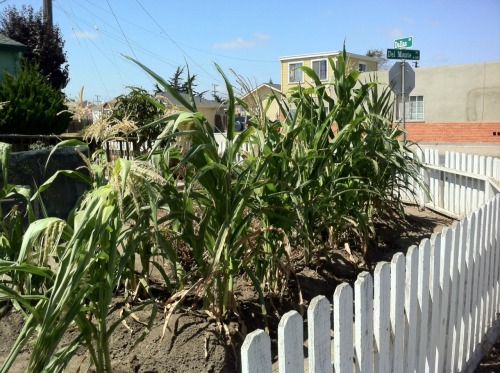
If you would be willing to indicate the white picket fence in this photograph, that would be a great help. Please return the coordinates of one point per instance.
(427, 312)
(221, 142)
(459, 186)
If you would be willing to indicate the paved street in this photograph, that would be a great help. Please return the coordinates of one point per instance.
(488, 150)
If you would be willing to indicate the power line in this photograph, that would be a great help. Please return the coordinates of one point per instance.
(120, 27)
(92, 57)
(173, 41)
(134, 46)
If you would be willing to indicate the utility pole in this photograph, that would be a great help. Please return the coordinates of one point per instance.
(47, 11)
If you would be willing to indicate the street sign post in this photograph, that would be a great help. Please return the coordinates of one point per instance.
(403, 43)
(396, 78)
(401, 75)
(403, 54)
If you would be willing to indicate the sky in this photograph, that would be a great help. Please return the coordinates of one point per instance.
(247, 39)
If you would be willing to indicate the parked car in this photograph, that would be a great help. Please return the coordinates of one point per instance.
(241, 122)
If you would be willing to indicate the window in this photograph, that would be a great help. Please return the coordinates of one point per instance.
(361, 66)
(416, 108)
(319, 67)
(295, 75)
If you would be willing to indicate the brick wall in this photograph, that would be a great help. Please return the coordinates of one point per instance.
(488, 132)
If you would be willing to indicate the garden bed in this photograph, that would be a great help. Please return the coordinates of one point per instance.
(195, 342)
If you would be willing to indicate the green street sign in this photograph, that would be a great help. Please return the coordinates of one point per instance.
(403, 54)
(403, 42)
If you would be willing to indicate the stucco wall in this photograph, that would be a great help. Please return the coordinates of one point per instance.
(457, 93)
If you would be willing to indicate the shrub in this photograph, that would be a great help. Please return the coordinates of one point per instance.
(32, 106)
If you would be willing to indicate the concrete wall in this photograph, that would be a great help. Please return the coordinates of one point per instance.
(455, 98)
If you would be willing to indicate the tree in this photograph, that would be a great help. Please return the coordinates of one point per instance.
(217, 98)
(44, 42)
(383, 62)
(32, 105)
(177, 82)
(181, 85)
(138, 106)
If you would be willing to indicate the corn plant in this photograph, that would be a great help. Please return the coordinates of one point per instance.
(214, 211)
(338, 160)
(92, 250)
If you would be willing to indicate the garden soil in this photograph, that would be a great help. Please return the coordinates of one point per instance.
(193, 341)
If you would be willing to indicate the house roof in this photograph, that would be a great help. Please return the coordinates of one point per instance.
(7, 44)
(199, 101)
(274, 87)
(326, 54)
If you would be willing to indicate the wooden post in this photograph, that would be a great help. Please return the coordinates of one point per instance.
(47, 11)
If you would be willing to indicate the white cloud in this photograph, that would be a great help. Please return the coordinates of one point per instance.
(394, 33)
(84, 34)
(407, 20)
(258, 39)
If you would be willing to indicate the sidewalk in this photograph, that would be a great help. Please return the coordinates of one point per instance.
(488, 150)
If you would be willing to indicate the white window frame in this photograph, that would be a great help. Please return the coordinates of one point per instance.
(412, 115)
(326, 68)
(416, 115)
(365, 67)
(300, 71)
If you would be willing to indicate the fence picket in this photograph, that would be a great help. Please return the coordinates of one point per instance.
(318, 327)
(444, 279)
(482, 264)
(398, 263)
(477, 183)
(363, 322)
(456, 182)
(381, 317)
(435, 301)
(491, 262)
(447, 184)
(486, 268)
(462, 163)
(496, 243)
(464, 351)
(469, 185)
(290, 343)
(342, 329)
(453, 286)
(475, 280)
(256, 353)
(423, 301)
(411, 287)
(488, 274)
(461, 246)
(482, 190)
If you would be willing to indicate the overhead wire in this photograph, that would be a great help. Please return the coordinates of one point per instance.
(134, 47)
(176, 44)
(91, 55)
(125, 36)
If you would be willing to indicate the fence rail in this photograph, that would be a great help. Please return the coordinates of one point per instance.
(463, 183)
(427, 312)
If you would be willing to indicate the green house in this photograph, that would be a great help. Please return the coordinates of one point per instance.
(10, 54)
